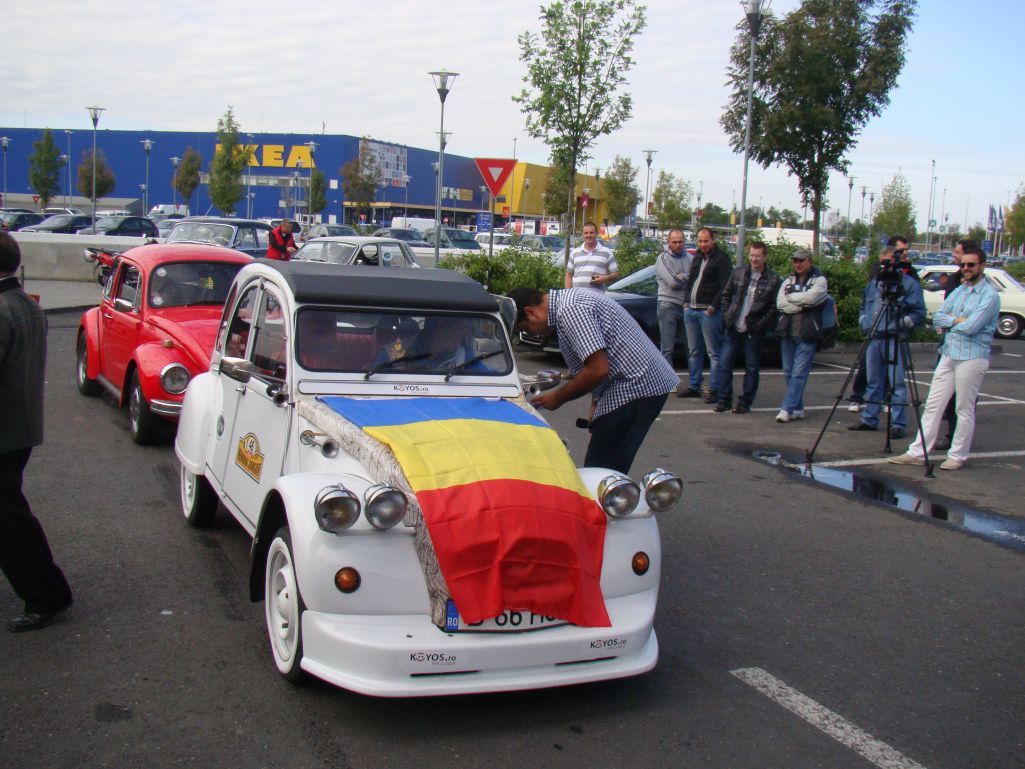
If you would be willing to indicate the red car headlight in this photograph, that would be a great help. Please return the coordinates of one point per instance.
(175, 378)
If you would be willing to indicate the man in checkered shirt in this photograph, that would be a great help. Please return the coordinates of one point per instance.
(611, 358)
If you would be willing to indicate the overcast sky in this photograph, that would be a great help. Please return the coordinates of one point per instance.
(359, 69)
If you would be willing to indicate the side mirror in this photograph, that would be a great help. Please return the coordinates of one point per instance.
(239, 369)
(123, 305)
(546, 380)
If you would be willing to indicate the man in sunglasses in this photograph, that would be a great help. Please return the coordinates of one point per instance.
(969, 318)
(950, 415)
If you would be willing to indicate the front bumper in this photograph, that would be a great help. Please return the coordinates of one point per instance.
(408, 656)
(166, 408)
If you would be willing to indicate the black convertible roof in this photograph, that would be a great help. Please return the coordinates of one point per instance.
(363, 285)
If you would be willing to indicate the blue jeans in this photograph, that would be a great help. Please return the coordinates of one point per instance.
(798, 355)
(734, 341)
(879, 371)
(704, 334)
(670, 318)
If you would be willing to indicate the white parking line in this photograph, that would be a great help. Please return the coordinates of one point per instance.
(840, 729)
(842, 408)
(881, 460)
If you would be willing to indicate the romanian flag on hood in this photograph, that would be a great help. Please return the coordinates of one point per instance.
(513, 525)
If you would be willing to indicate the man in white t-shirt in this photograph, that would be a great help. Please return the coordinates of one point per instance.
(591, 265)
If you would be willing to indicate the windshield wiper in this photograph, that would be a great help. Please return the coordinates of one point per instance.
(386, 364)
(466, 364)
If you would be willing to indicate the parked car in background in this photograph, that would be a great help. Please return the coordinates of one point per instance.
(123, 226)
(365, 505)
(15, 220)
(327, 230)
(154, 329)
(246, 235)
(453, 237)
(164, 226)
(360, 249)
(55, 211)
(65, 224)
(1012, 295)
(502, 240)
(555, 244)
(407, 235)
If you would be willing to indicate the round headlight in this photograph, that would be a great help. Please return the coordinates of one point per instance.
(386, 506)
(175, 378)
(336, 509)
(662, 489)
(618, 495)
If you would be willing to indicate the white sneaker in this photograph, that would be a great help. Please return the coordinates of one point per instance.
(855, 407)
(783, 416)
(797, 414)
(952, 464)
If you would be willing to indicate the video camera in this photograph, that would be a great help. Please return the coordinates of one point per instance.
(890, 278)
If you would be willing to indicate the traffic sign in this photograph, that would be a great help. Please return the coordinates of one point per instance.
(496, 172)
(585, 200)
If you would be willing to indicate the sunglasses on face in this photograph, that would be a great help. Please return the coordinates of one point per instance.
(969, 264)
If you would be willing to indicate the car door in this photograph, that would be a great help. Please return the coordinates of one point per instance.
(253, 450)
(120, 322)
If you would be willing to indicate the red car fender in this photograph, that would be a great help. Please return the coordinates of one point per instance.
(89, 325)
(149, 359)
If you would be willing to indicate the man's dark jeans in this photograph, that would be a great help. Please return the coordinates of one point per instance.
(733, 342)
(617, 436)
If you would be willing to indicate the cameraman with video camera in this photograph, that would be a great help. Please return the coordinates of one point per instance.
(891, 306)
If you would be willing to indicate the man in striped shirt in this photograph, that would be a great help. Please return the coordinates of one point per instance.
(591, 265)
(611, 358)
(969, 316)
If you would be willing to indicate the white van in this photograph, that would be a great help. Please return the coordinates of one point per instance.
(800, 238)
(164, 210)
(417, 223)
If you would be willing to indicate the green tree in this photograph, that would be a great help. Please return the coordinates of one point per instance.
(318, 191)
(231, 159)
(670, 201)
(977, 233)
(187, 179)
(360, 177)
(820, 74)
(105, 179)
(621, 191)
(1015, 220)
(557, 201)
(895, 212)
(44, 165)
(713, 214)
(576, 73)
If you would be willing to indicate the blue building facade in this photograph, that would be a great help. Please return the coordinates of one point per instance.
(276, 182)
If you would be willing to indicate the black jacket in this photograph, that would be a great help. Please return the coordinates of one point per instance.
(763, 313)
(713, 282)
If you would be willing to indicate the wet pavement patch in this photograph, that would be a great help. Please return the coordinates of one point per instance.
(1004, 530)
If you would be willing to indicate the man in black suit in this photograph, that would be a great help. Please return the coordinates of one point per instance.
(24, 552)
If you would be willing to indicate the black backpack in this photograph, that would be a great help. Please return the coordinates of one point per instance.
(829, 327)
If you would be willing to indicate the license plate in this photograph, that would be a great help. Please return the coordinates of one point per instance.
(509, 621)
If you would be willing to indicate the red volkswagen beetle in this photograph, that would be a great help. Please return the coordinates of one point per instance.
(154, 329)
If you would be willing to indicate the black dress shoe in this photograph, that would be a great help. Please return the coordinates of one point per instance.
(898, 432)
(34, 620)
(861, 426)
(711, 398)
(688, 393)
(741, 409)
(720, 407)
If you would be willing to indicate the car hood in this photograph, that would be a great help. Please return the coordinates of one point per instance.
(192, 328)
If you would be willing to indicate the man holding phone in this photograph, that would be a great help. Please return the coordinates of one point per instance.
(591, 265)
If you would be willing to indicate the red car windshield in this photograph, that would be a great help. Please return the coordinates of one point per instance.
(182, 284)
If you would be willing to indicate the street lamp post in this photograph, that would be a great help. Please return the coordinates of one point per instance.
(94, 114)
(4, 141)
(67, 169)
(928, 219)
(943, 208)
(523, 204)
(871, 203)
(297, 189)
(648, 155)
(147, 145)
(174, 181)
(249, 180)
(850, 192)
(443, 84)
(754, 11)
(405, 206)
(309, 192)
(864, 192)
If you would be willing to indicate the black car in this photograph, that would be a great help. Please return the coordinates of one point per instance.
(123, 226)
(15, 220)
(246, 235)
(67, 224)
(410, 237)
(327, 230)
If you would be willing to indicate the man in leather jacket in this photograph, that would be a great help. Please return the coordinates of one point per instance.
(749, 310)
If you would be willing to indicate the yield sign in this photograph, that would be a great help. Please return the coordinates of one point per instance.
(495, 171)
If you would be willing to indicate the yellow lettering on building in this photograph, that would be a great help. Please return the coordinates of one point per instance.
(272, 155)
(299, 153)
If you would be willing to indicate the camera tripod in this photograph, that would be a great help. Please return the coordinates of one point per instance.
(896, 349)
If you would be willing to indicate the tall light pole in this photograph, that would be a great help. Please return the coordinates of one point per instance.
(928, 220)
(147, 144)
(871, 203)
(297, 196)
(405, 182)
(443, 80)
(850, 192)
(249, 181)
(67, 169)
(94, 114)
(648, 155)
(174, 181)
(4, 141)
(864, 192)
(754, 13)
(309, 192)
(943, 208)
(523, 205)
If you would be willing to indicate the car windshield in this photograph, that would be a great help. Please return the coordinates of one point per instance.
(58, 220)
(553, 241)
(181, 284)
(460, 235)
(1012, 281)
(108, 221)
(641, 282)
(375, 343)
(202, 232)
(402, 234)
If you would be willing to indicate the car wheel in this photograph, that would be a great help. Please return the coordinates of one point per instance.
(1009, 326)
(143, 425)
(199, 500)
(284, 607)
(86, 386)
